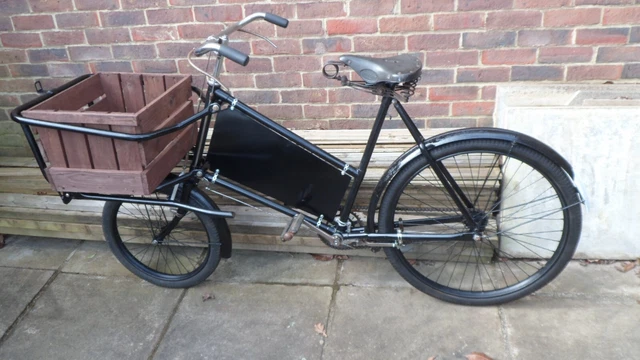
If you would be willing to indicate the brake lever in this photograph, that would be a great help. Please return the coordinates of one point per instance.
(260, 36)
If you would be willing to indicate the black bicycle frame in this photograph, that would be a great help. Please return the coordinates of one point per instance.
(215, 99)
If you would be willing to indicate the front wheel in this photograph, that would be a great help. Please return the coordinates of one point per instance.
(527, 222)
(138, 237)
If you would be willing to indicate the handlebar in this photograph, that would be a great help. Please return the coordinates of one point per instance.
(217, 43)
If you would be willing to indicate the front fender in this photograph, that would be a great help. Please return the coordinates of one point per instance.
(455, 136)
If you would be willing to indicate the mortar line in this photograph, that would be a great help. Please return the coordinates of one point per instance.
(165, 329)
(332, 302)
(504, 328)
(37, 296)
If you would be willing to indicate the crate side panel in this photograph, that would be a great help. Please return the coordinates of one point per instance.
(158, 110)
(161, 166)
(76, 149)
(97, 181)
(153, 86)
(153, 147)
(103, 152)
(128, 152)
(113, 90)
(53, 148)
(74, 97)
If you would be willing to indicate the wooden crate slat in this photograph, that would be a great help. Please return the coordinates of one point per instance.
(158, 169)
(75, 117)
(159, 109)
(113, 91)
(54, 149)
(74, 97)
(76, 149)
(153, 147)
(103, 151)
(132, 92)
(96, 180)
(153, 86)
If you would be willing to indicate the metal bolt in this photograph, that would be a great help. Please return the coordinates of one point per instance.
(477, 237)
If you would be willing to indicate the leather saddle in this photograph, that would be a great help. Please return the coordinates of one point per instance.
(396, 69)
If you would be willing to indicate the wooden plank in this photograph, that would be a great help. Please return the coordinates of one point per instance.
(132, 92)
(97, 181)
(128, 152)
(76, 149)
(10, 161)
(113, 91)
(152, 148)
(74, 97)
(76, 117)
(103, 151)
(159, 109)
(153, 86)
(53, 147)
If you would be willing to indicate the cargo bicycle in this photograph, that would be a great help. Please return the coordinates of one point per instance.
(473, 216)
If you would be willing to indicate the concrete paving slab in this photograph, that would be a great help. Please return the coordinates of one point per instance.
(361, 271)
(273, 267)
(36, 252)
(555, 328)
(594, 280)
(247, 321)
(375, 323)
(17, 289)
(94, 257)
(91, 317)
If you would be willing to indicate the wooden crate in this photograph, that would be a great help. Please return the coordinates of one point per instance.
(122, 102)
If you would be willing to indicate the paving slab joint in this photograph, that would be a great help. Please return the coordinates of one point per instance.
(504, 328)
(332, 303)
(166, 326)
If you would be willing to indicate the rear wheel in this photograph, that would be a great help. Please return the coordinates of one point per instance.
(183, 257)
(527, 222)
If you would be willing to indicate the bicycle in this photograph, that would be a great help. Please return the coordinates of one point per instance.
(475, 216)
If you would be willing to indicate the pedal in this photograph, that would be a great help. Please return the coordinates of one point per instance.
(292, 227)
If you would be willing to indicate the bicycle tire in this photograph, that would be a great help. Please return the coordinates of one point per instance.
(522, 249)
(186, 257)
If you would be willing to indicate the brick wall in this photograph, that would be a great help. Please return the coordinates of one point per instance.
(467, 47)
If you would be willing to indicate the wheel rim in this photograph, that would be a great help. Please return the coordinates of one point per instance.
(178, 256)
(515, 250)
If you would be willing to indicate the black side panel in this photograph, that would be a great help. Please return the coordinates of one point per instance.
(254, 156)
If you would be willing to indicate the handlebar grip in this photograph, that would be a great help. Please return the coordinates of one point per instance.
(234, 55)
(276, 20)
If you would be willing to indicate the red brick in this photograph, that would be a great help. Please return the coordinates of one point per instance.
(346, 95)
(33, 22)
(9, 100)
(169, 16)
(326, 45)
(326, 111)
(123, 18)
(486, 74)
(422, 7)
(631, 71)
(488, 40)
(27, 70)
(257, 97)
(540, 4)
(14, 7)
(4, 71)
(259, 27)
(351, 26)
(5, 23)
(77, 20)
(196, 2)
(602, 36)
(17, 85)
(378, 43)
(287, 11)
(345, 124)
(50, 5)
(280, 111)
(60, 37)
(46, 55)
(321, 10)
(97, 4)
(594, 72)
(405, 23)
(489, 92)
(451, 58)
(560, 55)
(450, 93)
(433, 42)
(544, 37)
(83, 53)
(154, 33)
(370, 7)
(470, 5)
(621, 15)
(20, 40)
(517, 19)
(107, 36)
(268, 81)
(426, 110)
(256, 65)
(536, 73)
(306, 124)
(224, 13)
(136, 51)
(451, 123)
(172, 49)
(147, 4)
(68, 70)
(458, 21)
(634, 37)
(439, 76)
(604, 2)
(509, 56)
(154, 66)
(238, 80)
(196, 31)
(286, 46)
(472, 108)
(296, 63)
(302, 28)
(618, 54)
(111, 66)
(571, 17)
(317, 80)
(304, 96)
